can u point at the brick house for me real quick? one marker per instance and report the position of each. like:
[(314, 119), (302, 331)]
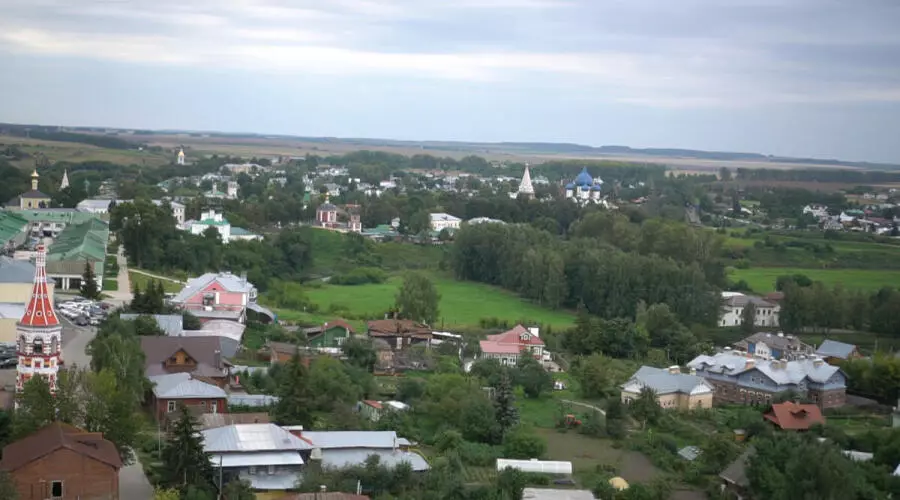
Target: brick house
[(400, 334), (63, 462), (199, 356), (742, 379), (174, 390)]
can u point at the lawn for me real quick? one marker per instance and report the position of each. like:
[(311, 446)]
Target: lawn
[(142, 280), (463, 303), (110, 285), (762, 279)]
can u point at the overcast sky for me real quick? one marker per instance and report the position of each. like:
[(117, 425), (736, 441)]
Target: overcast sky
[(794, 77)]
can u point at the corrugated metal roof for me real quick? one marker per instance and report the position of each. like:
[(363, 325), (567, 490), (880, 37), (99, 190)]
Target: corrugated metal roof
[(835, 349), (229, 281), (663, 382), (256, 459), (181, 386), (352, 439), (171, 324), (251, 437), (342, 458), (540, 466), (11, 311)]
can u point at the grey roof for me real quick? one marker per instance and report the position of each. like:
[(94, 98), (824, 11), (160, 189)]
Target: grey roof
[(736, 472), (183, 386), (352, 439), (258, 400), (689, 453), (229, 281), (171, 324), (835, 349), (731, 364), (347, 457), (11, 311), (773, 340), (550, 494), (743, 300), (250, 370), (251, 437), (227, 345), (15, 271), (222, 314), (253, 306), (663, 382)]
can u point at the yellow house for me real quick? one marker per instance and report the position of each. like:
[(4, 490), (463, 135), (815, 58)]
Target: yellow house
[(33, 198), (16, 279), (674, 390)]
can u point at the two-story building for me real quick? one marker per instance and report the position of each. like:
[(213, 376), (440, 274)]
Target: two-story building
[(441, 221), (400, 334), (774, 346), (172, 391), (508, 346), (218, 296), (673, 389), (740, 378), (267, 456), (734, 303)]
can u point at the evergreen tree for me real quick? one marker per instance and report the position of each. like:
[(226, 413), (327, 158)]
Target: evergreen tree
[(748, 318), (137, 299), (184, 463), (293, 393), (89, 288), (505, 405)]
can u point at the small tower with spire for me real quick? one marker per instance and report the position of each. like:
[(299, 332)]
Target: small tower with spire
[(34, 180), (65, 180), (38, 333), (526, 189), (180, 160)]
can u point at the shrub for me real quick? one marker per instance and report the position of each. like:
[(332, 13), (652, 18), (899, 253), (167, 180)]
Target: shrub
[(479, 454), (360, 276)]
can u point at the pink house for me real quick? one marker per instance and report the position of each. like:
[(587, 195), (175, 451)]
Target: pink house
[(508, 346), (219, 296)]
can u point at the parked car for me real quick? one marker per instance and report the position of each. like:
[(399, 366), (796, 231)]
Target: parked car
[(82, 320)]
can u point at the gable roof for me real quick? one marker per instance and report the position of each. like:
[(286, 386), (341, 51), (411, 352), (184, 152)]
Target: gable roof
[(54, 437), (515, 337), (731, 364), (741, 300), (251, 438), (170, 324), (183, 386), (794, 416), (398, 327), (777, 341), (835, 349), (327, 326), (736, 472), (201, 349), (663, 382), (229, 282)]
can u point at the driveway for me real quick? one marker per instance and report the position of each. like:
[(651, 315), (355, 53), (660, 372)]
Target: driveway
[(133, 483), (123, 294)]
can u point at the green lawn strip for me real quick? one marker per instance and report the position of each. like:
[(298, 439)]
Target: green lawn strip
[(141, 280), (762, 279), (463, 303), (110, 285)]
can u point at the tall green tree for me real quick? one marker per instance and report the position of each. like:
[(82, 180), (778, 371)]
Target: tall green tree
[(184, 462), (532, 377), (110, 408), (36, 407), (505, 405), (418, 299), (293, 407), (89, 288), (748, 318), (646, 407)]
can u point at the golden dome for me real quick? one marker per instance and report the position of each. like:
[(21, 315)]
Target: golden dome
[(34, 174), (618, 483)]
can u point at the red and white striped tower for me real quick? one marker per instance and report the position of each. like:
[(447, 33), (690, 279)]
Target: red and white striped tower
[(38, 333)]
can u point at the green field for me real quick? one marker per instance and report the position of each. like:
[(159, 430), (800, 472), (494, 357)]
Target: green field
[(762, 279), (142, 280), (463, 303)]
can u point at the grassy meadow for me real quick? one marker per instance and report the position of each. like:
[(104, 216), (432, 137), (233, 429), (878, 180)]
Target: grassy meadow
[(762, 279), (77, 152), (463, 303), (142, 280)]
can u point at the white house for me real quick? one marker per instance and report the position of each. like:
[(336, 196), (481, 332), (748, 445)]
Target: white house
[(100, 207), (817, 211), (733, 306), (440, 221), (227, 232)]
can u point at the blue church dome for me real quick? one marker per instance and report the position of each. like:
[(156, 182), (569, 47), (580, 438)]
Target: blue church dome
[(584, 179), (596, 187), (570, 185)]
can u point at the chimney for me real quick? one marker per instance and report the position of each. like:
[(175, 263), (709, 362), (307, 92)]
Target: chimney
[(217, 359), (534, 331), (674, 369), (817, 362), (750, 363), (693, 371)]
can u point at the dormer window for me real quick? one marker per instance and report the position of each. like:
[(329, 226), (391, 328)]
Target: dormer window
[(525, 337)]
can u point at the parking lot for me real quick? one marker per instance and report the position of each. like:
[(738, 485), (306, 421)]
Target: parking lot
[(82, 312)]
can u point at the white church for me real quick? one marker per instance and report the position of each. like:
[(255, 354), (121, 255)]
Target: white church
[(586, 189)]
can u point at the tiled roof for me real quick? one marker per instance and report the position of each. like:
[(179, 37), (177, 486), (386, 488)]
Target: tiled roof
[(794, 416), (835, 349), (55, 436)]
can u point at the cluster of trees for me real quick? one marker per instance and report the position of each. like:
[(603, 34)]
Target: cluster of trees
[(866, 177), (878, 377), (606, 280), (822, 308)]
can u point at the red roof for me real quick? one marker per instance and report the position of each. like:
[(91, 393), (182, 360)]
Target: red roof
[(39, 311), (519, 335), (373, 404), (794, 416), (489, 347)]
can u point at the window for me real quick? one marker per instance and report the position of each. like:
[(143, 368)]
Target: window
[(252, 470), (171, 406), (56, 489), (203, 404), (271, 470), (213, 407)]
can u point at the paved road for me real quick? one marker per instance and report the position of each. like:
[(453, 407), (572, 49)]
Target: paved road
[(133, 483), (123, 294)]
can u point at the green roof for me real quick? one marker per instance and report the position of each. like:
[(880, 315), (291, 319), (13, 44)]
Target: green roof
[(380, 229), (67, 216), (213, 222), (80, 242), (11, 226), (239, 231)]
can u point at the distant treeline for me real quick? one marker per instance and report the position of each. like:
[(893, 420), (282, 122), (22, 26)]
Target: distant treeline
[(53, 134), (818, 175)]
